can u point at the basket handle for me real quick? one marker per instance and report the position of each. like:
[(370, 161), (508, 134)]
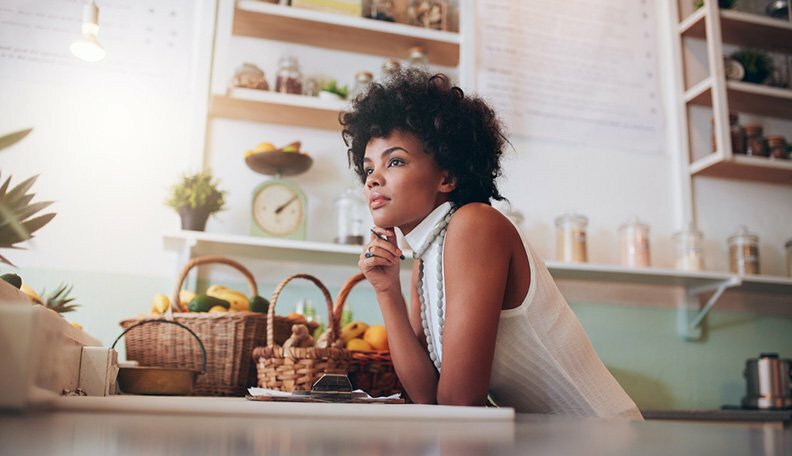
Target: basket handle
[(344, 293), (197, 261), (140, 323), (333, 323)]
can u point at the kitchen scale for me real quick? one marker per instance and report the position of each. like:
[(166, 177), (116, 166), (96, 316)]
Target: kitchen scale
[(279, 206)]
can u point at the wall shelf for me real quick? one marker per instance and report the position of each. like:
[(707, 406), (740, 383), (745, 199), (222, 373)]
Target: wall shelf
[(353, 34), (745, 97), (279, 108), (742, 29), (744, 168)]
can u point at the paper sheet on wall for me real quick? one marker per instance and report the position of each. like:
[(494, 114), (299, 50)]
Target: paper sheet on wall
[(577, 72), (148, 44)]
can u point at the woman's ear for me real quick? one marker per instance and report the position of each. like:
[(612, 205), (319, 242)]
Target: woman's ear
[(448, 184)]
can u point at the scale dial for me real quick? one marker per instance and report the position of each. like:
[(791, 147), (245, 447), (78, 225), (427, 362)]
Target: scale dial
[(279, 210)]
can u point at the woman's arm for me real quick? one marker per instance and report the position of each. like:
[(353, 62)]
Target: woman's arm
[(478, 251)]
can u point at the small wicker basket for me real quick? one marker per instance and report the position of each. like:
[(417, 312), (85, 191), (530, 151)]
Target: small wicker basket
[(371, 371), (229, 339), (299, 367)]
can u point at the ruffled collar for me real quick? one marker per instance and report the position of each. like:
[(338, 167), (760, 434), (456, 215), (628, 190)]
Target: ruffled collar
[(424, 233)]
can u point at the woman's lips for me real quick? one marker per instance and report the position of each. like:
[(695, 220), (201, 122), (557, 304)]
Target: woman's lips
[(376, 201)]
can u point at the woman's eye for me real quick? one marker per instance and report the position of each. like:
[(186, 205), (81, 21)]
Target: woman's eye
[(395, 162), (368, 171)]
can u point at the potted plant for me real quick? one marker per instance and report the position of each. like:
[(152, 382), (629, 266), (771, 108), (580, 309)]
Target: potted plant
[(17, 223), (195, 198), (331, 90), (757, 65)]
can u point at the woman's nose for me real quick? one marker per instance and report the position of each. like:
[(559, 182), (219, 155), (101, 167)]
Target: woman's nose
[(373, 179)]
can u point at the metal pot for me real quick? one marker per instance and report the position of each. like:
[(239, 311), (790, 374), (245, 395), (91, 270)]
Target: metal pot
[(768, 382), (163, 381)]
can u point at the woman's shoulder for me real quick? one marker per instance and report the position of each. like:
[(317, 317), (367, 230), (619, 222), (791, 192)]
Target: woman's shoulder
[(481, 219)]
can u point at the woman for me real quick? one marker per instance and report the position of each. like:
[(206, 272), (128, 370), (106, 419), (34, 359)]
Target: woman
[(486, 320)]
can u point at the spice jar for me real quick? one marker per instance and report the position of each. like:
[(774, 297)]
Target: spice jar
[(250, 76), (350, 211), (381, 10), (634, 242), (789, 257), (689, 249), (289, 79), (390, 68), (416, 57), (777, 147), (744, 252), (571, 238), (362, 81), (754, 142)]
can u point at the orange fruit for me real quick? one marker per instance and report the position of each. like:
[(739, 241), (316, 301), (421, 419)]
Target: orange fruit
[(298, 317), (377, 337), (358, 345)]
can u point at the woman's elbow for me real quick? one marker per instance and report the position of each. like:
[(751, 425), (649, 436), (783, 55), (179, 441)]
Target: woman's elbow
[(461, 399)]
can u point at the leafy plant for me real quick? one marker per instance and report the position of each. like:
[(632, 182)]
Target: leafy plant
[(197, 191), (59, 300), (757, 64), (17, 223), (333, 87)]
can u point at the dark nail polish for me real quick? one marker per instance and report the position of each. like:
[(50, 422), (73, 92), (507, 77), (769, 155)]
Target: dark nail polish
[(401, 256)]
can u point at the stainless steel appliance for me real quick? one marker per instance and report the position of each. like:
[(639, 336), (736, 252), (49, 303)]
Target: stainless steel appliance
[(768, 382)]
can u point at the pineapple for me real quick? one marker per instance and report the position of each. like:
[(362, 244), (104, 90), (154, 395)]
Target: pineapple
[(59, 300), (16, 209)]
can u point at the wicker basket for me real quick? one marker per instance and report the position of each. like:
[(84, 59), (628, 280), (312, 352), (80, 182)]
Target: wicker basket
[(229, 339), (371, 371), (299, 367)]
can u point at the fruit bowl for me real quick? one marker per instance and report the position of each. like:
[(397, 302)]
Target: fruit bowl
[(279, 163)]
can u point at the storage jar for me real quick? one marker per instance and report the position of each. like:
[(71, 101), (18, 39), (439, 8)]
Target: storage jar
[(362, 81), (571, 238), (744, 252), (777, 147), (754, 142), (350, 209), (634, 243), (689, 249), (289, 79)]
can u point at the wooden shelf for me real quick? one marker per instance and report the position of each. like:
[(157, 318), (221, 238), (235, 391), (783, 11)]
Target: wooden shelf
[(202, 243), (744, 168), (742, 29), (354, 34), (745, 97), (279, 108)]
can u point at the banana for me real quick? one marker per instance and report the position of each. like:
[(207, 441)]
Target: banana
[(31, 294), (159, 304), (353, 330), (238, 301)]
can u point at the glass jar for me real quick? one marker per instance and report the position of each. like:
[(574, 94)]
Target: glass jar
[(350, 211), (417, 57), (381, 10), (689, 249), (571, 238), (289, 79), (744, 252), (777, 147), (362, 81), (249, 76), (634, 242), (789, 257), (428, 13), (754, 142), (390, 68)]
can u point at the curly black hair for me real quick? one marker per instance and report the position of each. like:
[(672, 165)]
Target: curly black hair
[(461, 132)]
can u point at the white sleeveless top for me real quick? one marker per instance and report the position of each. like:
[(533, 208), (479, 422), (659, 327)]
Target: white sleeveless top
[(544, 362)]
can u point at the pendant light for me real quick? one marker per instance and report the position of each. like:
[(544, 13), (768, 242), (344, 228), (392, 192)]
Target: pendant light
[(87, 47)]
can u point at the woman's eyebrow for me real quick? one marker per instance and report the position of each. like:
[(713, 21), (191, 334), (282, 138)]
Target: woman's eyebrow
[(386, 152)]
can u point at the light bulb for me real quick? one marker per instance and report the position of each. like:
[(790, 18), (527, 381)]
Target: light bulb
[(87, 47)]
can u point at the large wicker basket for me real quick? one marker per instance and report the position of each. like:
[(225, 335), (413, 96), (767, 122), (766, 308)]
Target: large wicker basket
[(229, 339), (299, 367), (371, 371)]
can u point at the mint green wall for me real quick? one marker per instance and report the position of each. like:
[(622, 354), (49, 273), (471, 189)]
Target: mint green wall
[(638, 344)]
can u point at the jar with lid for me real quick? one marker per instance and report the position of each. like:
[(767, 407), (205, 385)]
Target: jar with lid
[(350, 209), (390, 68), (381, 10), (789, 257), (736, 133), (634, 243), (417, 57), (744, 252), (777, 146), (571, 238), (249, 76), (754, 142), (689, 248), (362, 81), (289, 78)]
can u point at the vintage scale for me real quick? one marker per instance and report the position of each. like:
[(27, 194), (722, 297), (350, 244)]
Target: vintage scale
[(279, 208)]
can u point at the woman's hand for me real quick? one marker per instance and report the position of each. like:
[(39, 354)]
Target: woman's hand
[(380, 260)]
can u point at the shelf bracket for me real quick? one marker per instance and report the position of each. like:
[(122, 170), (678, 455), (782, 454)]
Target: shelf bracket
[(690, 317)]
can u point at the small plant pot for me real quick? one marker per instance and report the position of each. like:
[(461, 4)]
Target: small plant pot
[(194, 219)]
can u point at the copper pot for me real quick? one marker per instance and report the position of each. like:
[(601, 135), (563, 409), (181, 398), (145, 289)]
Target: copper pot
[(768, 382)]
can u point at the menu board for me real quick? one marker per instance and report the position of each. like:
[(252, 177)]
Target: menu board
[(577, 72), (148, 44)]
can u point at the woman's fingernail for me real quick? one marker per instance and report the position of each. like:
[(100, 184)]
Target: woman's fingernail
[(402, 257)]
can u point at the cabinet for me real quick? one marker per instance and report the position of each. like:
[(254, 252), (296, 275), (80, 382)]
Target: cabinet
[(702, 39), (256, 19)]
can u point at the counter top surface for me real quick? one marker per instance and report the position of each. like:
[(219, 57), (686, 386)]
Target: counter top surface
[(109, 433)]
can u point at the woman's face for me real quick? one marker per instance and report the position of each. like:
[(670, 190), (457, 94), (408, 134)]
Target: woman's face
[(403, 183)]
